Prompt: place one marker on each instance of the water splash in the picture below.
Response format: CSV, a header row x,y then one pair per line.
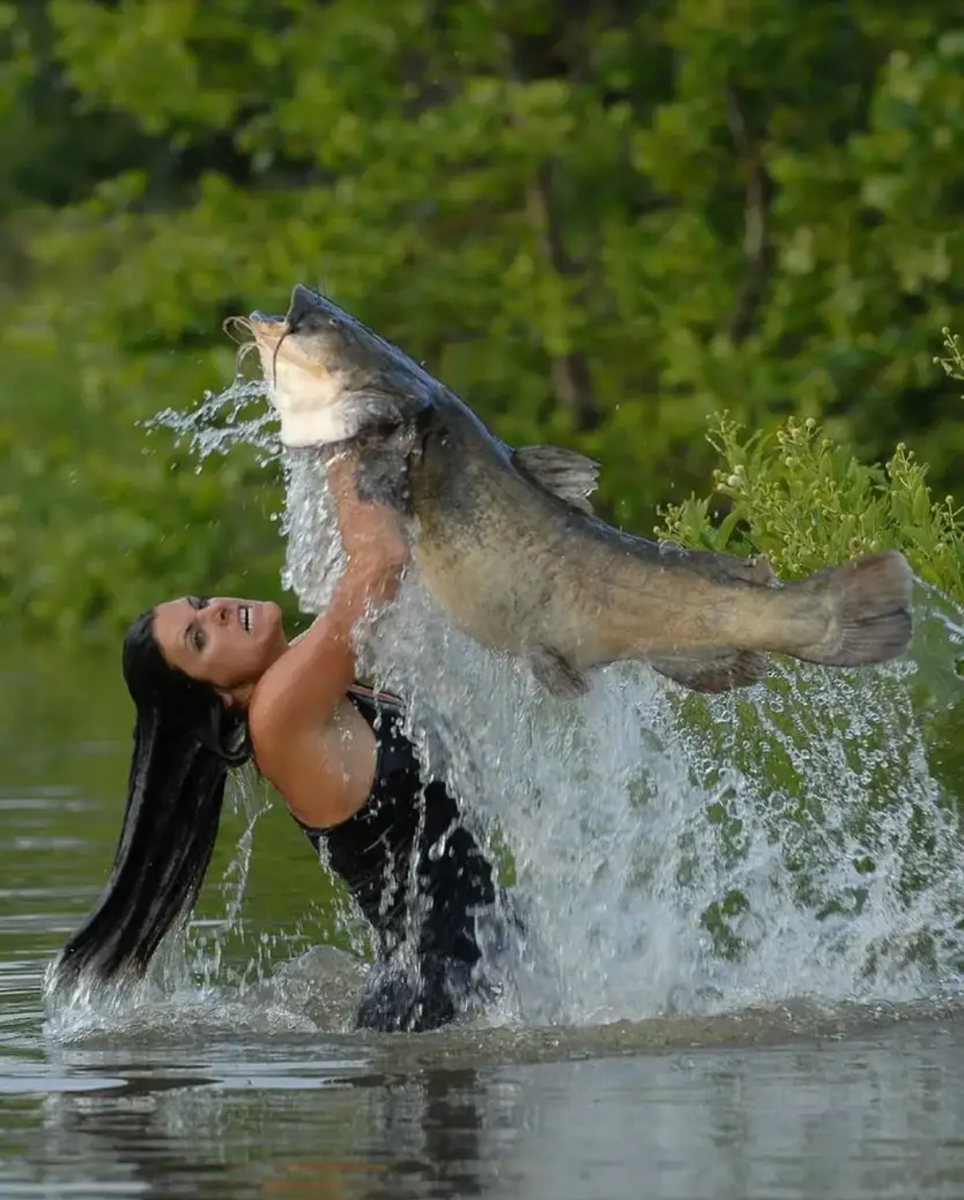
x,y
677,853
314,557
225,420
208,940
222,421
683,853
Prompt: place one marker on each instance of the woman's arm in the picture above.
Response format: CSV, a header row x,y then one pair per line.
x,y
311,745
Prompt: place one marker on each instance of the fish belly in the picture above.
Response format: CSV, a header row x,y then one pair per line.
x,y
477,591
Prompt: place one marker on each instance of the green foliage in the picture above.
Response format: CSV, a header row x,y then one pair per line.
x,y
953,364
599,223
804,501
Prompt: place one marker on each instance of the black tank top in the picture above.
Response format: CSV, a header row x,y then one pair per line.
x,y
414,869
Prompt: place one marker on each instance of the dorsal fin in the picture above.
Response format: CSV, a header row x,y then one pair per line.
x,y
566,473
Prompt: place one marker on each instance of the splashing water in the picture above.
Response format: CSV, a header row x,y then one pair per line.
x,y
671,852
676,852
221,422
683,853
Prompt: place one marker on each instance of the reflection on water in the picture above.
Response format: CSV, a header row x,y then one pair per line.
x,y
872,1118
234,1091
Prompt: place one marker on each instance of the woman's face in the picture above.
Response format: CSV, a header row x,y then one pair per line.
x,y
226,642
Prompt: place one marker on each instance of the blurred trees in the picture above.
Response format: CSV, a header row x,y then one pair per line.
x,y
599,223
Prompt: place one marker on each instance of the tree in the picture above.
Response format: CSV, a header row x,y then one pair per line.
x,y
599,224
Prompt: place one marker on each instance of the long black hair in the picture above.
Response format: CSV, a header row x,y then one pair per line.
x,y
185,741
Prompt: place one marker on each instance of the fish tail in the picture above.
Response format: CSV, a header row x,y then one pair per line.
x,y
869,602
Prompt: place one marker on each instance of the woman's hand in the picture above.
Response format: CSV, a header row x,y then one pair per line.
x,y
371,537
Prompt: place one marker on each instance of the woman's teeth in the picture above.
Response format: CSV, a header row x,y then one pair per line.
x,y
246,618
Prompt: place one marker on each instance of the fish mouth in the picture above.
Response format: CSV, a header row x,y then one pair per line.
x,y
266,329
307,315
265,325
264,334
259,334
327,374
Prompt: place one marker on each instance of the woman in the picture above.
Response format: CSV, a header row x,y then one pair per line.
x,y
215,683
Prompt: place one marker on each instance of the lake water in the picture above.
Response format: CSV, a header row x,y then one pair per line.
x,y
239,1081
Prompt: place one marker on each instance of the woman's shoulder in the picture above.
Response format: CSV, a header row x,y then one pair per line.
x,y
321,761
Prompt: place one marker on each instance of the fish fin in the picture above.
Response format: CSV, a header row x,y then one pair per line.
x,y
383,473
566,473
379,412
720,673
871,620
555,674
759,570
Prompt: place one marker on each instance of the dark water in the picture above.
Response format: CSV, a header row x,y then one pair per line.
x,y
221,1089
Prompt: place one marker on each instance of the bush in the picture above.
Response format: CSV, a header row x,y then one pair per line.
x,y
804,501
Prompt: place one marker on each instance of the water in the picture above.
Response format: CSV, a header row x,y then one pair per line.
x,y
679,853
742,977
242,1081
803,823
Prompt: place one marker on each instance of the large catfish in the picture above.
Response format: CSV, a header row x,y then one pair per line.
x,y
508,545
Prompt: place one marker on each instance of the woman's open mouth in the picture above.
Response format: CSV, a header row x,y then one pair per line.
x,y
245,616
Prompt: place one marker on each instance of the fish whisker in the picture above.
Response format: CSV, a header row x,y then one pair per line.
x,y
241,332
244,351
274,358
238,329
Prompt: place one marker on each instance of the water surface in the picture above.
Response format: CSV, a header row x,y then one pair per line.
x,y
236,1083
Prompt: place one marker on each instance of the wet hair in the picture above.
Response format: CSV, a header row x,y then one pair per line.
x,y
185,741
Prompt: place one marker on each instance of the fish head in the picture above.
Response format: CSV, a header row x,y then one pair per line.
x,y
332,378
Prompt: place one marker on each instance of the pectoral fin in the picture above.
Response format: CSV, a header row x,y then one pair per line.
x,y
566,473
382,474
717,673
379,412
555,674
